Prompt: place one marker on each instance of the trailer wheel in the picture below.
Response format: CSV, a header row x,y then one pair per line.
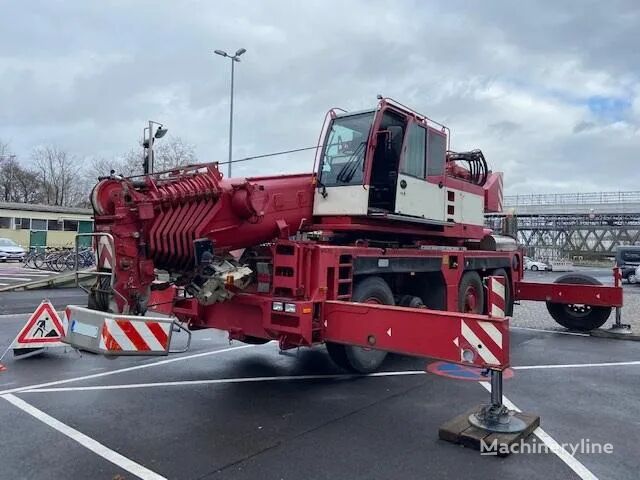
x,y
358,359
580,317
508,297
471,293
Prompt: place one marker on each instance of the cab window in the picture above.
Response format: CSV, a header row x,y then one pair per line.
x,y
437,146
414,158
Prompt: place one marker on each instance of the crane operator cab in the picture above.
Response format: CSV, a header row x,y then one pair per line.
x,y
392,163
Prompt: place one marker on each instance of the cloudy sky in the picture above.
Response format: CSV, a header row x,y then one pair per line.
x,y
550,91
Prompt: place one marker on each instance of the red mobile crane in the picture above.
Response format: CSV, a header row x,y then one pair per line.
x,y
382,248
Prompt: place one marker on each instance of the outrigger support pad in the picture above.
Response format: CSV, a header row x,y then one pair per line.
x,y
496,417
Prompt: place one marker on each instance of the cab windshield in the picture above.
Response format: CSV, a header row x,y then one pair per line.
x,y
345,147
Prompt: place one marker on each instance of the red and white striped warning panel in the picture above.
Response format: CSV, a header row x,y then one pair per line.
x,y
482,340
496,297
103,332
105,252
134,335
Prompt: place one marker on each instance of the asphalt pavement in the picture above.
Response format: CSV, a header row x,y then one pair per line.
x,y
27,301
246,412
14,273
243,412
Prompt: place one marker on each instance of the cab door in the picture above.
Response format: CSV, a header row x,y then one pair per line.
x,y
419,192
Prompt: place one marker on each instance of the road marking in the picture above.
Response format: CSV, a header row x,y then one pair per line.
x,y
87,442
577,365
572,462
127,369
577,334
16,278
215,381
282,378
3,284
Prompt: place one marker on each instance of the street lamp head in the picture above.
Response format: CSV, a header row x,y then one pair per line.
x,y
240,51
221,52
161,132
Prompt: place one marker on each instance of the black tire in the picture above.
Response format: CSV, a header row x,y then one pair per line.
x,y
410,301
358,359
508,297
471,284
534,268
581,317
248,339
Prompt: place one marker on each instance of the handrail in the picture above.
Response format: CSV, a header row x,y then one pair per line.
x,y
571,198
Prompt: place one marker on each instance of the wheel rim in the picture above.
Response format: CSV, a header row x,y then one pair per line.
x,y
633,278
373,301
578,310
470,299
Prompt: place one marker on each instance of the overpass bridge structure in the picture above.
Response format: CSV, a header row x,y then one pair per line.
x,y
574,225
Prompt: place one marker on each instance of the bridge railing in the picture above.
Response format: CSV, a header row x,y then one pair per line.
x,y
571,198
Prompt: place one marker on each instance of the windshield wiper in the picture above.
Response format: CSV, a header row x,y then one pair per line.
x,y
349,169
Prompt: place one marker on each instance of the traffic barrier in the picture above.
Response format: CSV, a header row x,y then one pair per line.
x,y
116,334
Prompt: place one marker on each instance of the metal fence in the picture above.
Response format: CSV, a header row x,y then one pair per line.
x,y
571,198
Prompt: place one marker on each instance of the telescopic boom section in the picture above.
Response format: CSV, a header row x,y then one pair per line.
x,y
155,221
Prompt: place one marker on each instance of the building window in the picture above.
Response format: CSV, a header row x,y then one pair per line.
x,y
54,225
38,224
5,222
22,223
70,226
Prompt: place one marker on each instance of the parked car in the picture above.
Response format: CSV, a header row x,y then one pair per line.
x,y
534,265
628,259
633,278
10,250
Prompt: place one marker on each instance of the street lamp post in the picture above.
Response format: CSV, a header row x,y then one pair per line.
x,y
234,58
147,144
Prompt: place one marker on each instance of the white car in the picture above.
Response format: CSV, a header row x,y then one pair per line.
x,y
535,265
634,278
10,250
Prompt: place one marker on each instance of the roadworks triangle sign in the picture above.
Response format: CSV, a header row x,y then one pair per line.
x,y
43,329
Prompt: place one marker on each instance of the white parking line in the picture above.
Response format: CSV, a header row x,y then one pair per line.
x,y
561,332
572,462
282,378
87,442
576,365
16,278
127,369
3,284
214,381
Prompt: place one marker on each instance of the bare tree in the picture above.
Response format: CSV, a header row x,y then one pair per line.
x,y
59,173
17,184
174,152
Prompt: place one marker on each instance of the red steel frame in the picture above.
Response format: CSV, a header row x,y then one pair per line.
x,y
318,279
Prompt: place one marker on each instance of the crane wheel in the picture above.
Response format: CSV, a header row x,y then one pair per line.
x,y
358,359
580,317
471,293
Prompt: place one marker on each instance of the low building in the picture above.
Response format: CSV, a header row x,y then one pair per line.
x,y
44,225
